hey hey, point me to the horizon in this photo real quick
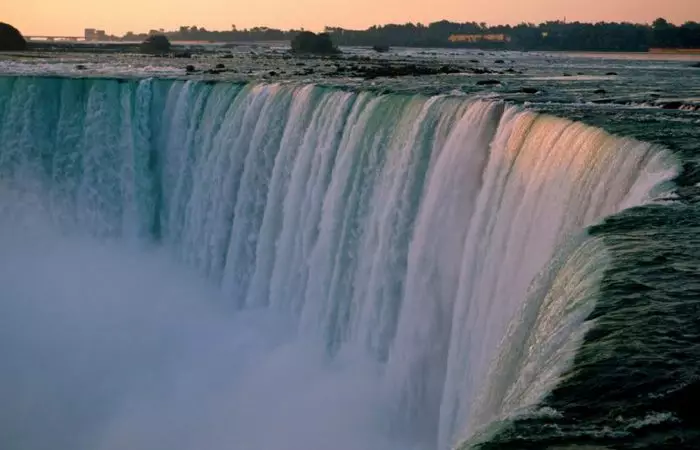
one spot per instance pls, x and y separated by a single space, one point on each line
44 17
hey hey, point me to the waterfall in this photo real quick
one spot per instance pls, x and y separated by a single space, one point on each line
444 236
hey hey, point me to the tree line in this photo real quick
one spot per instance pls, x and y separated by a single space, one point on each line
553 35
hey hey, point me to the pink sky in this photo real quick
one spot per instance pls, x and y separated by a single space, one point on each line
70 17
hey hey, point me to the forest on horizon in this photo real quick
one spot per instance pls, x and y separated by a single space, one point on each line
553 35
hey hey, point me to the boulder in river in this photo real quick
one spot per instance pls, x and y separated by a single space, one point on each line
487 82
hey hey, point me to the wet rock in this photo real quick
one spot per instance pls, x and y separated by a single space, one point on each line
600 91
381 48
478 71
487 82
220 66
474 61
448 70
672 105
529 90
80 67
696 65
393 71
566 74
611 74
184 55
227 56
190 69
499 61
272 73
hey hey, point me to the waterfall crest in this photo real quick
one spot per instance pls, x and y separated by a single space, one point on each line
444 236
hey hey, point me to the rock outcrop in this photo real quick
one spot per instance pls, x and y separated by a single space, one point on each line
11 40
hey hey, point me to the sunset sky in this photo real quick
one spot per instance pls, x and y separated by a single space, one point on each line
70 17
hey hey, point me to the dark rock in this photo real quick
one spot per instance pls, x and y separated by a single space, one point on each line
654 95
80 67
182 55
190 69
487 82
600 91
696 65
381 48
448 69
566 74
478 71
609 74
227 56
529 90
499 61
157 44
272 73
11 40
672 105
312 43
220 66
475 61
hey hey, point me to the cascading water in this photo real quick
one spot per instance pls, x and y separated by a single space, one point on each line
443 237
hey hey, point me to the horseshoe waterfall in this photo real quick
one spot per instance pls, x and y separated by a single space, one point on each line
212 265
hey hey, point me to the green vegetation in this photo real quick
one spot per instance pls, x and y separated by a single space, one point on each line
156 44
308 42
11 40
557 35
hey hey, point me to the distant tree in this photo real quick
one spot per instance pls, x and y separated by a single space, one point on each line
156 44
11 40
308 42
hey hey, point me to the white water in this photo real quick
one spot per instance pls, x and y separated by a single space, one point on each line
371 262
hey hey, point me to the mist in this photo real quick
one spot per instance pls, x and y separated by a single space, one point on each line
106 345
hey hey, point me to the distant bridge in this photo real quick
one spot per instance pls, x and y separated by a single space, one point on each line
55 38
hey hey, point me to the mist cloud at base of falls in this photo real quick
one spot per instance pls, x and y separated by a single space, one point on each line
403 229
110 347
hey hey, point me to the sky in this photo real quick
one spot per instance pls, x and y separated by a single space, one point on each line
71 17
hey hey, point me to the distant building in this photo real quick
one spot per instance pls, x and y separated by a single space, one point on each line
92 34
476 38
